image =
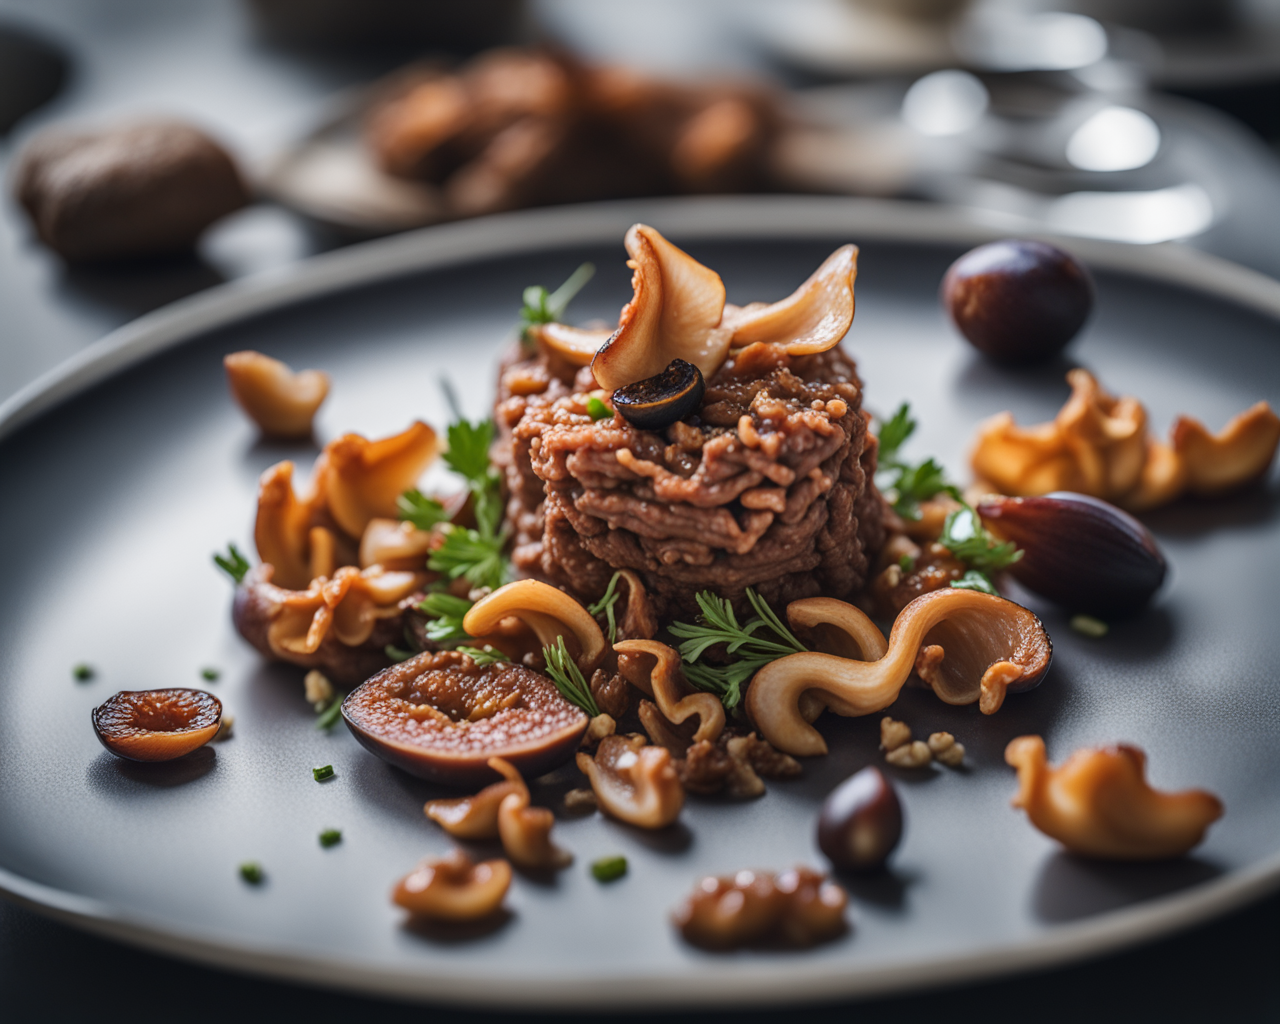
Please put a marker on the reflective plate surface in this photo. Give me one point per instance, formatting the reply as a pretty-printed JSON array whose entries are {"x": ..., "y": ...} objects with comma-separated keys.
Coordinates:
[{"x": 125, "y": 470}]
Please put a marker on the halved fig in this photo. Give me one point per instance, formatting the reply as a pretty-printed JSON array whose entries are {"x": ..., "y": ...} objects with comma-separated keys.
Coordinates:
[
  {"x": 157, "y": 725},
  {"x": 441, "y": 716},
  {"x": 659, "y": 401}
]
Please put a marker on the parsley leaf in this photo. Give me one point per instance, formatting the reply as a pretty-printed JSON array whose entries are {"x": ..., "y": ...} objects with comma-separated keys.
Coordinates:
[
  {"x": 606, "y": 603},
  {"x": 468, "y": 451},
  {"x": 905, "y": 485},
  {"x": 750, "y": 650},
  {"x": 472, "y": 555},
  {"x": 894, "y": 433},
  {"x": 564, "y": 672},
  {"x": 420, "y": 510},
  {"x": 446, "y": 614},
  {"x": 965, "y": 537},
  {"x": 543, "y": 307},
  {"x": 974, "y": 580},
  {"x": 234, "y": 564},
  {"x": 597, "y": 410}
]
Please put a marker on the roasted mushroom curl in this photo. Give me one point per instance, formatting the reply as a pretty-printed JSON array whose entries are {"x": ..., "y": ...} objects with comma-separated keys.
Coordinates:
[
  {"x": 282, "y": 403},
  {"x": 502, "y": 811},
  {"x": 968, "y": 646},
  {"x": 454, "y": 888},
  {"x": 1099, "y": 803},
  {"x": 655, "y": 668},
  {"x": 523, "y": 617},
  {"x": 633, "y": 782}
]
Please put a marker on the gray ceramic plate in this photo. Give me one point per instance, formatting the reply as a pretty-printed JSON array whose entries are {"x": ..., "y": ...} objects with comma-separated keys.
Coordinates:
[{"x": 125, "y": 470}]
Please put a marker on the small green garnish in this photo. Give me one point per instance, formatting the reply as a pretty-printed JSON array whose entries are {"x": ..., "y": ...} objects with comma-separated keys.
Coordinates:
[
  {"x": 1089, "y": 626},
  {"x": 415, "y": 507},
  {"x": 330, "y": 715},
  {"x": 905, "y": 485},
  {"x": 750, "y": 652},
  {"x": 543, "y": 307},
  {"x": 906, "y": 563},
  {"x": 476, "y": 557},
  {"x": 564, "y": 672},
  {"x": 322, "y": 773},
  {"x": 974, "y": 580},
  {"x": 210, "y": 674},
  {"x": 972, "y": 543},
  {"x": 606, "y": 603},
  {"x": 396, "y": 654},
  {"x": 446, "y": 613},
  {"x": 485, "y": 655},
  {"x": 251, "y": 871},
  {"x": 597, "y": 410},
  {"x": 330, "y": 837},
  {"x": 83, "y": 672},
  {"x": 233, "y": 563},
  {"x": 609, "y": 869}
]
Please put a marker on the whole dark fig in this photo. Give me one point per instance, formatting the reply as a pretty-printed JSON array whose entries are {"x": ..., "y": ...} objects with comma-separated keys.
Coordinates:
[
  {"x": 1078, "y": 551},
  {"x": 861, "y": 822},
  {"x": 1018, "y": 301}
]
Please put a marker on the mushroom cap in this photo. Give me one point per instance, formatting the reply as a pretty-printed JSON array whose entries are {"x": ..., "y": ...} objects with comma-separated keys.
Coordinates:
[{"x": 282, "y": 403}]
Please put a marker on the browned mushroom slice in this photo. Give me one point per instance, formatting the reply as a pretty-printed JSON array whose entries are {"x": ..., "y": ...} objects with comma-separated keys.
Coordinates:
[
  {"x": 361, "y": 479},
  {"x": 454, "y": 888},
  {"x": 523, "y": 617},
  {"x": 812, "y": 319},
  {"x": 282, "y": 403},
  {"x": 1237, "y": 455},
  {"x": 442, "y": 717},
  {"x": 675, "y": 313},
  {"x": 283, "y": 527},
  {"x": 655, "y": 668},
  {"x": 157, "y": 725},
  {"x": 1099, "y": 803},
  {"x": 395, "y": 545},
  {"x": 633, "y": 782},
  {"x": 968, "y": 646},
  {"x": 576, "y": 345}
]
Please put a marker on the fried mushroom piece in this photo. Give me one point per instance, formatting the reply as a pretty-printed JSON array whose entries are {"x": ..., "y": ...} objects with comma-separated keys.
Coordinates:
[
  {"x": 1099, "y": 803},
  {"x": 282, "y": 403},
  {"x": 968, "y": 646},
  {"x": 655, "y": 668},
  {"x": 794, "y": 908},
  {"x": 633, "y": 782},
  {"x": 523, "y": 617},
  {"x": 502, "y": 811},
  {"x": 454, "y": 888},
  {"x": 442, "y": 716}
]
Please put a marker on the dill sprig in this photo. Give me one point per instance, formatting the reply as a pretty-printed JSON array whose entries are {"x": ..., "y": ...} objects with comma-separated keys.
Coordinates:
[
  {"x": 233, "y": 563},
  {"x": 906, "y": 484},
  {"x": 744, "y": 643},
  {"x": 485, "y": 655},
  {"x": 564, "y": 672},
  {"x": 606, "y": 605},
  {"x": 445, "y": 614},
  {"x": 543, "y": 307}
]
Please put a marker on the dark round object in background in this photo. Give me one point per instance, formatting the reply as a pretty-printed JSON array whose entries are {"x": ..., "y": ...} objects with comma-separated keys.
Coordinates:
[
  {"x": 659, "y": 401},
  {"x": 861, "y": 822},
  {"x": 1018, "y": 301}
]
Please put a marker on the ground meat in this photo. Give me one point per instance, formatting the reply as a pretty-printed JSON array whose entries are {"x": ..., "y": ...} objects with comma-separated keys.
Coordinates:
[{"x": 768, "y": 486}]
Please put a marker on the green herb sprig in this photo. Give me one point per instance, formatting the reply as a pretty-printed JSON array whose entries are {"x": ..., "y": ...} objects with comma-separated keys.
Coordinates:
[
  {"x": 543, "y": 307},
  {"x": 905, "y": 484},
  {"x": 483, "y": 655},
  {"x": 415, "y": 507},
  {"x": 328, "y": 718},
  {"x": 564, "y": 672},
  {"x": 446, "y": 613},
  {"x": 746, "y": 643},
  {"x": 606, "y": 604},
  {"x": 233, "y": 563},
  {"x": 609, "y": 869}
]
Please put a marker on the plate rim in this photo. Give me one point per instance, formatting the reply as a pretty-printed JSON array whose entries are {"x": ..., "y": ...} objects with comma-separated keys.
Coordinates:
[{"x": 731, "y": 983}]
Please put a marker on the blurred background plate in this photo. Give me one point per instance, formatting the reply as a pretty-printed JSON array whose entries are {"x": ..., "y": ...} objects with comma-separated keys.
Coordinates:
[{"x": 127, "y": 467}]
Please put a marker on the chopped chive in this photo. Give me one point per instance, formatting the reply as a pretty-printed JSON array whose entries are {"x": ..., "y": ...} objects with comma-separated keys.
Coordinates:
[
  {"x": 233, "y": 563},
  {"x": 251, "y": 871},
  {"x": 322, "y": 773},
  {"x": 1089, "y": 626},
  {"x": 211, "y": 674},
  {"x": 330, "y": 837},
  {"x": 83, "y": 672},
  {"x": 609, "y": 869},
  {"x": 330, "y": 715},
  {"x": 597, "y": 410}
]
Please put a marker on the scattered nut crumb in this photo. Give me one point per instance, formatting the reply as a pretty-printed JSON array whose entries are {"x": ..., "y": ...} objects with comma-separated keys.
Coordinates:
[
  {"x": 946, "y": 749},
  {"x": 225, "y": 728},
  {"x": 580, "y": 801},
  {"x": 910, "y": 755},
  {"x": 319, "y": 689},
  {"x": 893, "y": 734},
  {"x": 598, "y": 728}
]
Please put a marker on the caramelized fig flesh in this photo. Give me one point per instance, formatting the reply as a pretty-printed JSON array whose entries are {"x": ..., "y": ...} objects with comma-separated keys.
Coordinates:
[
  {"x": 441, "y": 716},
  {"x": 661, "y": 400},
  {"x": 157, "y": 725},
  {"x": 1078, "y": 551}
]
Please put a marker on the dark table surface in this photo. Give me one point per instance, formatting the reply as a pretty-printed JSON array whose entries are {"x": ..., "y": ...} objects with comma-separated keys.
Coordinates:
[{"x": 206, "y": 60}]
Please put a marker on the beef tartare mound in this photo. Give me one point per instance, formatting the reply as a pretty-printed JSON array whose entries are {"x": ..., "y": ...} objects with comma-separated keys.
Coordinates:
[{"x": 768, "y": 483}]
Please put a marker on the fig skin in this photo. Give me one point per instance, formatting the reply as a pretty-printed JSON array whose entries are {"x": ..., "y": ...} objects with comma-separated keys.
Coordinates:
[
  {"x": 659, "y": 401},
  {"x": 1018, "y": 301},
  {"x": 425, "y": 716},
  {"x": 861, "y": 822},
  {"x": 157, "y": 725},
  {"x": 1078, "y": 551}
]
